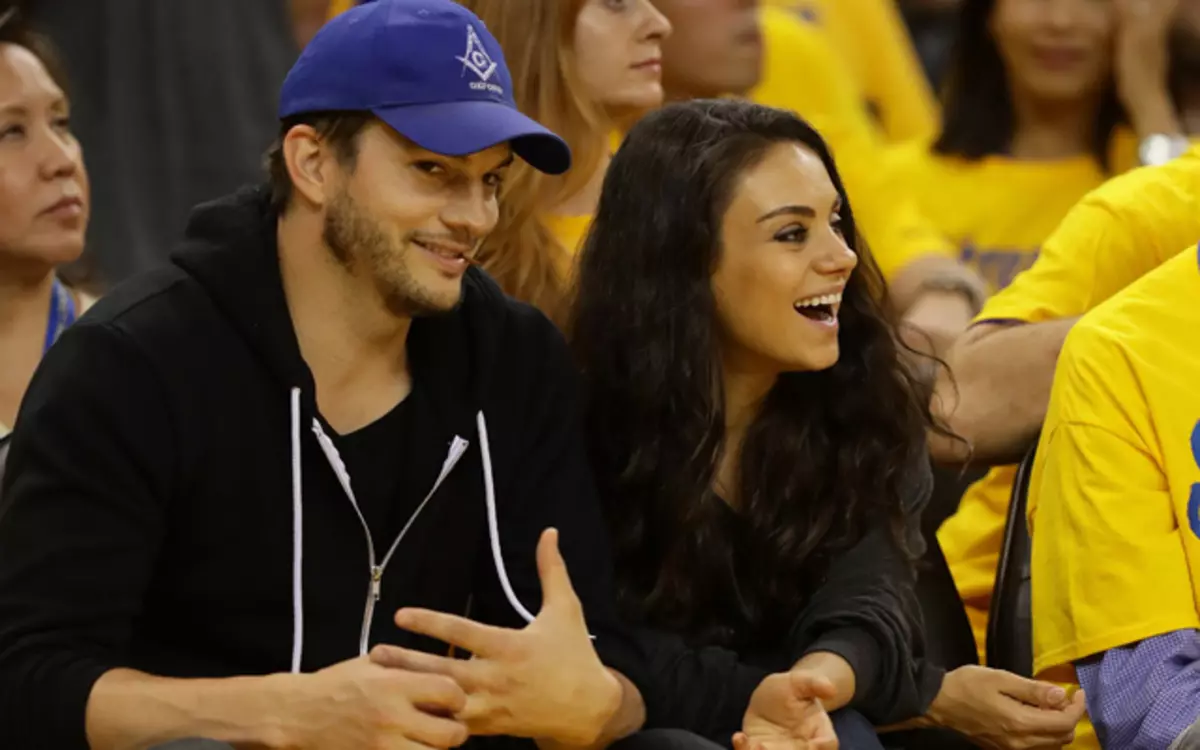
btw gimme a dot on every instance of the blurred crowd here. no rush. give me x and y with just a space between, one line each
1013 166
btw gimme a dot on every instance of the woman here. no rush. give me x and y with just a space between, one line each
585 68
1032 106
757 439
43 210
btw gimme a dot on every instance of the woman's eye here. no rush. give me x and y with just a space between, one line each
12 132
835 221
792 234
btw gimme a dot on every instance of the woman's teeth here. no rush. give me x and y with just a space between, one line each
826 299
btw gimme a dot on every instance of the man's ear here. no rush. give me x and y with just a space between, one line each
309 162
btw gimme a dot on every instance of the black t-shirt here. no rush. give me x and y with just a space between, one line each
378 459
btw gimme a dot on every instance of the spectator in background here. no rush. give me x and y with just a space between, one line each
737 276
1114 509
175 104
931 24
1004 365
875 45
586 68
720 48
44 206
1185 65
1030 117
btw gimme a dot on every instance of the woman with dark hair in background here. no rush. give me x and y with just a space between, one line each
44 201
758 441
1035 97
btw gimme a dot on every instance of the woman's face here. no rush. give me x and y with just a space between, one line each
43 185
1055 50
618 52
784 264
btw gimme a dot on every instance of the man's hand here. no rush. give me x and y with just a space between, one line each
786 713
543 682
1001 711
359 703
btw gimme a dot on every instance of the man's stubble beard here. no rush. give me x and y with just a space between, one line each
360 245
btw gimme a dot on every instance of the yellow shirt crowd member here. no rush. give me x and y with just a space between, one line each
824 96
1119 232
878 53
997 211
1114 504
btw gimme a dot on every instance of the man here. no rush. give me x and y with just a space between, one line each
1004 365
231 474
1114 506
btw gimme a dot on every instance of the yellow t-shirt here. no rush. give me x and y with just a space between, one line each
999 212
570 232
824 96
1118 233
1114 236
1114 502
879 56
340 6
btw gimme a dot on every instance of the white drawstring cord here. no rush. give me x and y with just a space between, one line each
489 495
298 530
297 539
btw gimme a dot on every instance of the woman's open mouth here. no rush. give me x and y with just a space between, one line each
821 309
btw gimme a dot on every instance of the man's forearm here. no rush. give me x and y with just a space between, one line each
997 391
629 718
130 710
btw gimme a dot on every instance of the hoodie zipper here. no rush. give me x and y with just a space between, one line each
377 567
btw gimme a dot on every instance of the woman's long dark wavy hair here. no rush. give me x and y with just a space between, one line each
978 119
826 457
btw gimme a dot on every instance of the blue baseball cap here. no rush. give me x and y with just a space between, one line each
429 69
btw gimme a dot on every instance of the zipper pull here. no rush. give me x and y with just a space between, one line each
376 578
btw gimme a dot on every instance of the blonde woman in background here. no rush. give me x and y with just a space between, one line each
586 69
44 203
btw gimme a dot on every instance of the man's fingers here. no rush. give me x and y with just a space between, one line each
435 731
740 742
1031 692
437 692
557 590
483 640
806 684
395 657
1026 720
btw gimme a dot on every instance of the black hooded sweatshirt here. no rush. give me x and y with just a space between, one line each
174 502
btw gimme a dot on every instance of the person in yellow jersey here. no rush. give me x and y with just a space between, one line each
1004 364
1114 510
1030 113
587 68
879 55
720 47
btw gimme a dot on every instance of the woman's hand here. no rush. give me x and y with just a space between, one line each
1141 64
1001 711
786 713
